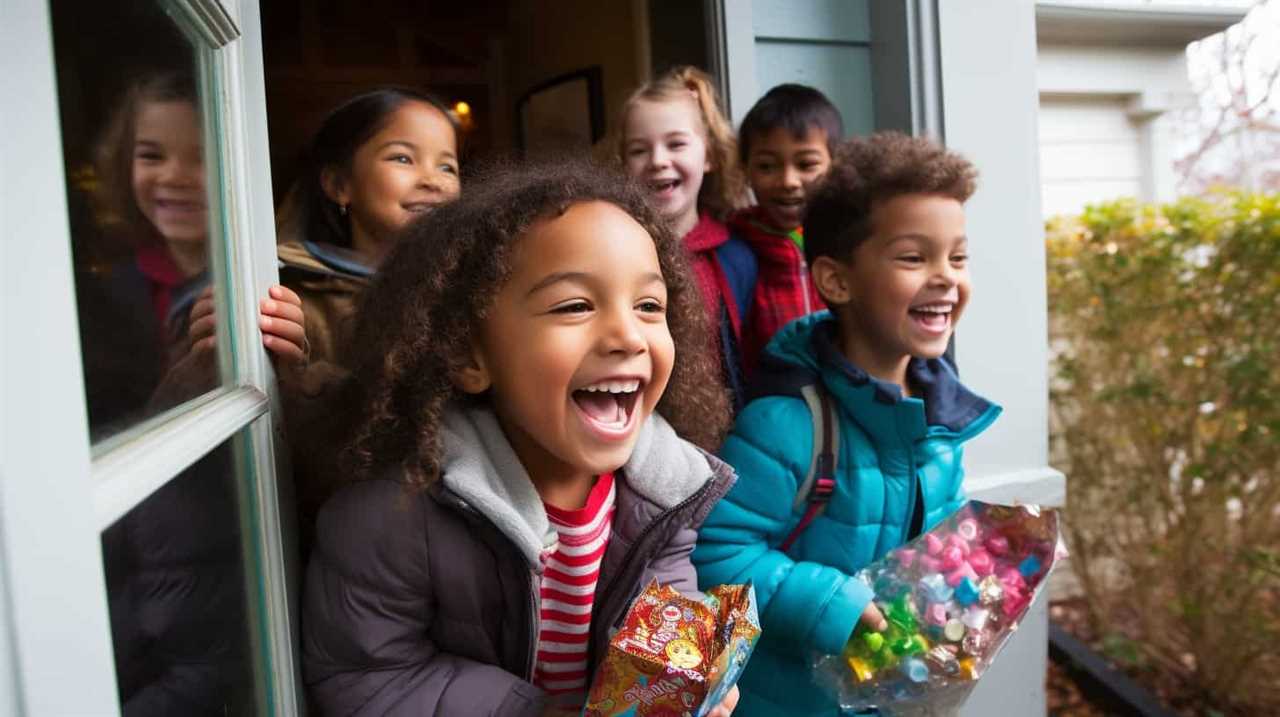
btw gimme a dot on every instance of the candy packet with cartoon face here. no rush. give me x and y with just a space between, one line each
674 656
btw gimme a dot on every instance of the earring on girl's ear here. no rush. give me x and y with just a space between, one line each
342 209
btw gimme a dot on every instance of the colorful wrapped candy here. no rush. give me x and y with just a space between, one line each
676 657
951 598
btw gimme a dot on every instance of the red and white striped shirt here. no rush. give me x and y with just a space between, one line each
568 589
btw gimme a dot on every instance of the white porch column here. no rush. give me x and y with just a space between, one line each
1153 113
987 61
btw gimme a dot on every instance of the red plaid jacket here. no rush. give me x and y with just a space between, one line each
784 291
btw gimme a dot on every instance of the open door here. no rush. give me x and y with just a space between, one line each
141 537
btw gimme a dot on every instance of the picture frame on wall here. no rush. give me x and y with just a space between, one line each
564 113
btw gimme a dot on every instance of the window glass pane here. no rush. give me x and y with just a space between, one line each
140 148
182 612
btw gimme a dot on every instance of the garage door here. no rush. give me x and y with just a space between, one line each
1090 151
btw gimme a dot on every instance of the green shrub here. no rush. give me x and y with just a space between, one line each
1165 329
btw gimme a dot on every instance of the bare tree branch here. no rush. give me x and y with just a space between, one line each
1238 103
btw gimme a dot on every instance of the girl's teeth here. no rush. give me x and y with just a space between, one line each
614 386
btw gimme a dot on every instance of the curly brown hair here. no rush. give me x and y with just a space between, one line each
869 170
415 325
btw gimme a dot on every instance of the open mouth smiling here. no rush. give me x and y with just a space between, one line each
180 205
609 406
664 186
933 317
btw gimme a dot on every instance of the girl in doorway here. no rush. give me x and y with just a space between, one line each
525 364
378 160
676 140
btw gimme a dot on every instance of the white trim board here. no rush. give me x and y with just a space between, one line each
130 473
58 631
1040 486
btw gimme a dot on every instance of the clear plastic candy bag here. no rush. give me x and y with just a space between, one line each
951 597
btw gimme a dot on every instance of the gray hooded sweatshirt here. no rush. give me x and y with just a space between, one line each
426 603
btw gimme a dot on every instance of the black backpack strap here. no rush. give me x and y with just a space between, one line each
820 482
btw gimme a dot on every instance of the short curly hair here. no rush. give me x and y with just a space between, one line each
415 324
869 170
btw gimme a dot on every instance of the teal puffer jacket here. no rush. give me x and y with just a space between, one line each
897 456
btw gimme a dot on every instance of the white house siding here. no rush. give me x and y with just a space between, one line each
1090 151
1080 68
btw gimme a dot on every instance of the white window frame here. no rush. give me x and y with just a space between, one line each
56 495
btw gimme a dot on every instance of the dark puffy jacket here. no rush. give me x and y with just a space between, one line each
136 366
175 586
427 603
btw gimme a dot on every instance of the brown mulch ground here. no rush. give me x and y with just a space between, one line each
1064 697
1066 700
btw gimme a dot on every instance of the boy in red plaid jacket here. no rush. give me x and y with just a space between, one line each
785 144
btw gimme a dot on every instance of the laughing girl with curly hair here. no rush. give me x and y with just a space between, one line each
526 365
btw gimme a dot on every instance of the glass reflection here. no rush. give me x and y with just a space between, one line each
175 580
143 214
146 303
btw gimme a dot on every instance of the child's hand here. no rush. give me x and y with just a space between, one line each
872 619
201 322
280 318
281 321
726 706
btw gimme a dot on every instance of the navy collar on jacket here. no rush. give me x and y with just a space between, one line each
338 259
947 402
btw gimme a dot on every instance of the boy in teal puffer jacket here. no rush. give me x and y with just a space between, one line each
885 240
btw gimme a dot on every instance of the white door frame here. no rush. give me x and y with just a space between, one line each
60 647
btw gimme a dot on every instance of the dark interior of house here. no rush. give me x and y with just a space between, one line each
487 59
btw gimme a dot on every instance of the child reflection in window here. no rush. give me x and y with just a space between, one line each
146 305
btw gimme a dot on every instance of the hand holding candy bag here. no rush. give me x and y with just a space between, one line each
676 657
951 598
